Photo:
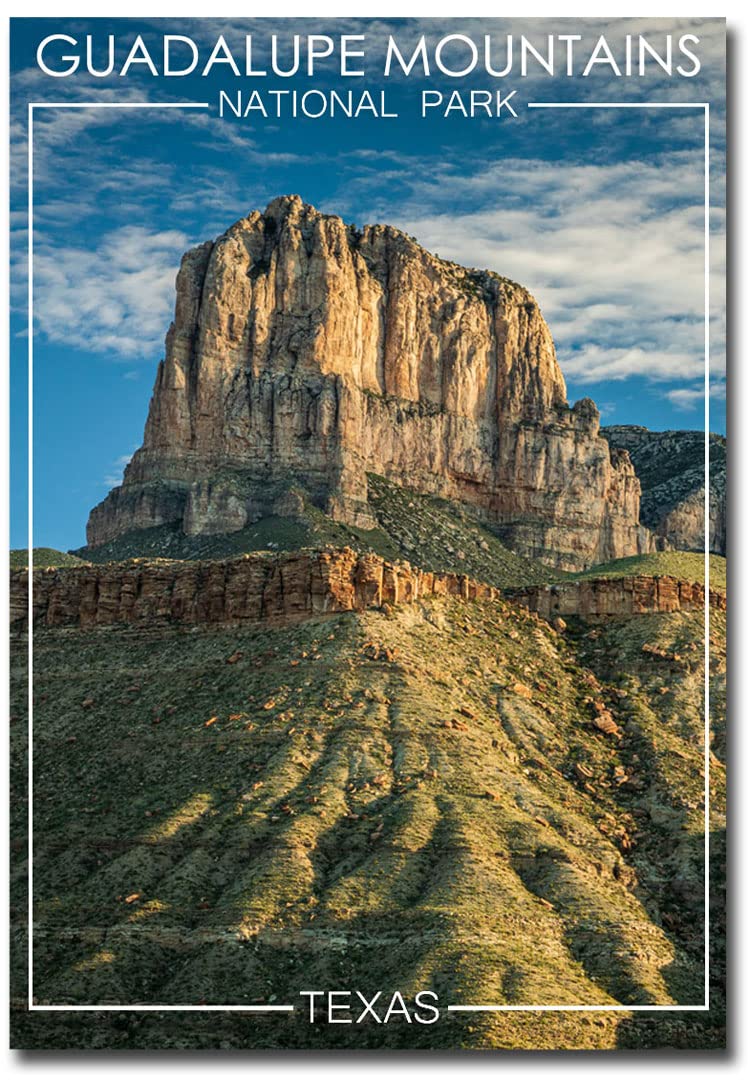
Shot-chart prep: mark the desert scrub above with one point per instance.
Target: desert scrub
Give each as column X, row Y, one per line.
column 414, row 798
column 437, row 535
column 43, row 557
column 686, row 565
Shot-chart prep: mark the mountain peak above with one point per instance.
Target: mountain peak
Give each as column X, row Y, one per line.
column 287, row 206
column 306, row 353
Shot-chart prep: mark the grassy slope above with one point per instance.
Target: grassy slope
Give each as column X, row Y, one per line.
column 268, row 534
column 43, row 556
column 428, row 532
column 425, row 531
column 688, row 565
column 329, row 830
column 438, row 535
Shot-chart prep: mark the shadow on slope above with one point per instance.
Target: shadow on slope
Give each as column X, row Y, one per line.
column 410, row 800
column 428, row 532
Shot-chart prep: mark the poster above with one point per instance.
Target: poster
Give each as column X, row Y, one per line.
column 372, row 695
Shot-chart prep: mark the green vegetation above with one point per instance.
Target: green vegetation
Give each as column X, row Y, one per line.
column 274, row 533
column 438, row 535
column 672, row 470
column 409, row 799
column 667, row 456
column 43, row 556
column 428, row 532
column 686, row 565
column 444, row 795
column 169, row 542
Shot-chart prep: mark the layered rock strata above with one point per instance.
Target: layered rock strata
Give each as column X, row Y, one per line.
column 672, row 470
column 636, row 595
column 307, row 352
column 279, row 589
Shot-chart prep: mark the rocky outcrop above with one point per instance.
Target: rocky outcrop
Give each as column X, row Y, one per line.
column 637, row 595
column 285, row 588
column 307, row 352
column 253, row 588
column 671, row 468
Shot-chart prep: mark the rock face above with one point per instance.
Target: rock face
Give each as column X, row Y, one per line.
column 304, row 351
column 671, row 468
column 607, row 597
column 254, row 588
column 281, row 589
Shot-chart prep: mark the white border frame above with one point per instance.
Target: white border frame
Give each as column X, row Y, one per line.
column 32, row 1006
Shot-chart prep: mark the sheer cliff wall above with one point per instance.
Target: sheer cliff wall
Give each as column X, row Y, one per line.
column 306, row 351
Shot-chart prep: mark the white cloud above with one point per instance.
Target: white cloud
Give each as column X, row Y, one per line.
column 114, row 477
column 616, row 266
column 377, row 31
column 613, row 253
column 595, row 364
column 688, row 398
column 116, row 299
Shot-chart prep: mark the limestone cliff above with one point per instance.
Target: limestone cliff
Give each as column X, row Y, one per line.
column 280, row 589
column 306, row 351
column 672, row 470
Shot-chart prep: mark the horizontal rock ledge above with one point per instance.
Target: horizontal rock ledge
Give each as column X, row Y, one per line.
column 288, row 587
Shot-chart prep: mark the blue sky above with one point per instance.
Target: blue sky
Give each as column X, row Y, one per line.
column 598, row 212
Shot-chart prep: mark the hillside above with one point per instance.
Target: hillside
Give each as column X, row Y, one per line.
column 426, row 531
column 443, row 794
column 685, row 565
column 671, row 468
column 43, row 556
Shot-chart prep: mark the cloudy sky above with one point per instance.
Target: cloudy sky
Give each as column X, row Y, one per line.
column 599, row 212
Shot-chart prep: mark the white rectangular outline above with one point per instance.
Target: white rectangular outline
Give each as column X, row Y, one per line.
column 706, row 567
